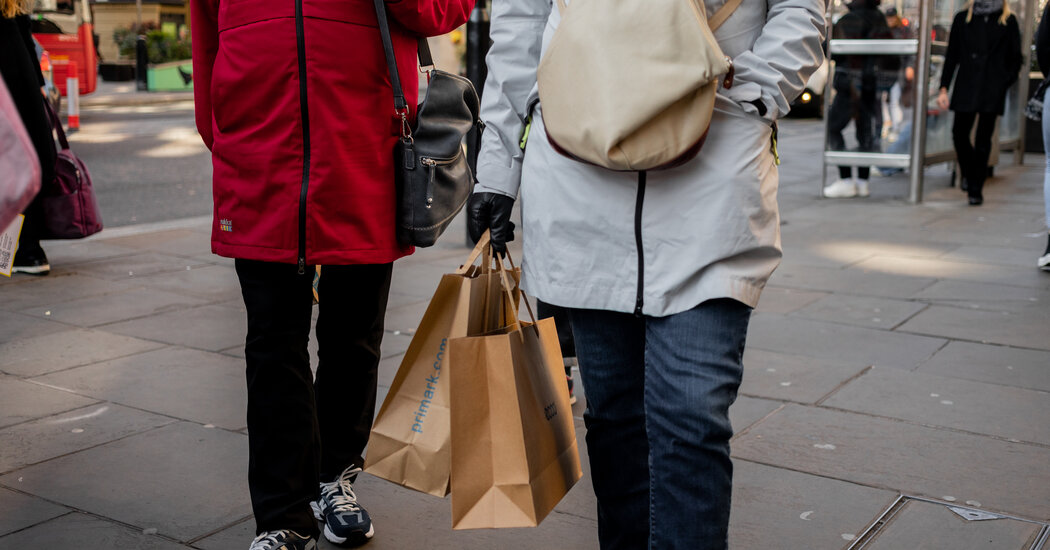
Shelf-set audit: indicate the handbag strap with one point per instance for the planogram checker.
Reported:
(713, 22)
(56, 124)
(426, 59)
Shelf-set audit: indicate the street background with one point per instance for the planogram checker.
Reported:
(897, 372)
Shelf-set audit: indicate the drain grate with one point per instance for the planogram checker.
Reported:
(1041, 541)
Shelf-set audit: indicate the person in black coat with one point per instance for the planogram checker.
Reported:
(984, 47)
(21, 74)
(857, 83)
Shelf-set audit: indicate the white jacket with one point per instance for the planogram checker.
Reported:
(708, 229)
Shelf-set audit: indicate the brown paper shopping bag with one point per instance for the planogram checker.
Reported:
(514, 453)
(409, 443)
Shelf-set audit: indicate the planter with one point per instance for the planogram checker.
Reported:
(117, 72)
(176, 76)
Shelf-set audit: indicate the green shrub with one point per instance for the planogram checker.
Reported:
(160, 46)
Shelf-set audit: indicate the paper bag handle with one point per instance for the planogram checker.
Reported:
(481, 248)
(508, 290)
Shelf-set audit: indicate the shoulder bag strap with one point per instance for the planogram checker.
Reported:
(400, 105)
(722, 14)
(56, 124)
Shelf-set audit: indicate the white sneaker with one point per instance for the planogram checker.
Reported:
(862, 188)
(841, 189)
(1044, 262)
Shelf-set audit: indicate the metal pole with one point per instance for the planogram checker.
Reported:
(141, 62)
(1022, 81)
(477, 47)
(918, 124)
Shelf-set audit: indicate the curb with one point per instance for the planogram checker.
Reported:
(133, 99)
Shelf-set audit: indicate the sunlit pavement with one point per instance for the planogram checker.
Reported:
(897, 373)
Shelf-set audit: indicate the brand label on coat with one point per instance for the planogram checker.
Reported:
(431, 387)
(226, 225)
(8, 245)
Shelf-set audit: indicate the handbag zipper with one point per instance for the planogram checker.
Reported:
(304, 113)
(432, 163)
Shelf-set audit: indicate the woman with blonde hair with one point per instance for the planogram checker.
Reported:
(21, 73)
(985, 46)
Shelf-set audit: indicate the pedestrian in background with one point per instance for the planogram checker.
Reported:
(857, 86)
(984, 48)
(293, 101)
(21, 73)
(1042, 52)
(659, 273)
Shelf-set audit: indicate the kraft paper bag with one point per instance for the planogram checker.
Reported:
(410, 439)
(514, 453)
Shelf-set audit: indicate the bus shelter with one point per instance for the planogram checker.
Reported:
(904, 130)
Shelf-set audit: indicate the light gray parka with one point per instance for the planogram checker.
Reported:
(707, 229)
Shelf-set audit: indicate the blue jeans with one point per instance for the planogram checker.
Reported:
(658, 395)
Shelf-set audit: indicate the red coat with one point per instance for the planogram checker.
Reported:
(293, 98)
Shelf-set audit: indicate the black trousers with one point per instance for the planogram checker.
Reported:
(973, 158)
(855, 99)
(303, 429)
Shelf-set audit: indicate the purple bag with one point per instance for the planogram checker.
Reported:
(70, 208)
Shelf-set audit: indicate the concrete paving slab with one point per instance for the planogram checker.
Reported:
(963, 271)
(111, 308)
(1026, 329)
(917, 460)
(73, 431)
(987, 296)
(64, 256)
(1019, 257)
(748, 410)
(794, 336)
(138, 480)
(85, 532)
(208, 327)
(213, 282)
(18, 511)
(70, 348)
(16, 326)
(203, 387)
(179, 242)
(852, 281)
(1022, 368)
(778, 508)
(792, 377)
(921, 524)
(406, 318)
(420, 279)
(990, 409)
(864, 311)
(22, 401)
(55, 289)
(130, 268)
(785, 300)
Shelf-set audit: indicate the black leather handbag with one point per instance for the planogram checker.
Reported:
(431, 169)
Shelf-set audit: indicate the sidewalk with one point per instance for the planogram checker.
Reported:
(898, 364)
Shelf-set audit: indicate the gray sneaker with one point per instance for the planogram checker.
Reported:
(346, 523)
(282, 540)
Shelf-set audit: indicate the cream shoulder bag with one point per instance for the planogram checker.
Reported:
(630, 85)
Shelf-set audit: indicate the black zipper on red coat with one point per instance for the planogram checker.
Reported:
(304, 113)
(639, 302)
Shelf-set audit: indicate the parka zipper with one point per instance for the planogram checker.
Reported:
(304, 113)
(639, 302)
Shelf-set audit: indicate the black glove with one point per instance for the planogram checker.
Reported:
(491, 211)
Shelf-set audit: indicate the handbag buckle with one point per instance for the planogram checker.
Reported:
(406, 128)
